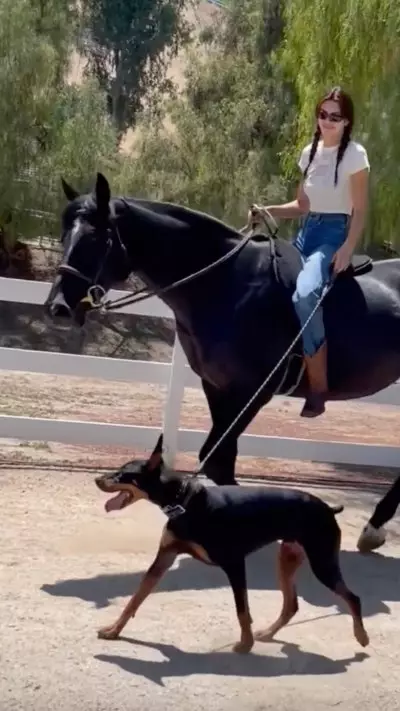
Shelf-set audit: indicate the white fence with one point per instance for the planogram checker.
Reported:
(177, 375)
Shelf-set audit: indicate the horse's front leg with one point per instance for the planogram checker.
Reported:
(224, 406)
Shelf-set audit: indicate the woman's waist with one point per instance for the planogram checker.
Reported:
(339, 218)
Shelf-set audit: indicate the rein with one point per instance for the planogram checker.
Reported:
(95, 293)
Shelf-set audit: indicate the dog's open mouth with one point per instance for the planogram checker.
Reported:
(119, 501)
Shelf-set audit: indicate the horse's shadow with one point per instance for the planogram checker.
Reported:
(374, 577)
(180, 663)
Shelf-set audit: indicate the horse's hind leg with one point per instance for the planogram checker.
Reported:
(373, 534)
(224, 406)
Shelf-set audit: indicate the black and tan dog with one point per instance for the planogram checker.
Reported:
(221, 526)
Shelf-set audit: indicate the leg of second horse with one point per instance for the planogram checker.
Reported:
(373, 534)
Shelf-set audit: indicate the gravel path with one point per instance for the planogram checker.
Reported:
(66, 568)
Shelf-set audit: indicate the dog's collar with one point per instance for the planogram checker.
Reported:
(175, 510)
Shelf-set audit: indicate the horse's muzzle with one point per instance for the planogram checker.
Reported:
(61, 315)
(59, 311)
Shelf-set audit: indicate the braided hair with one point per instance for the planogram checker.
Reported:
(347, 109)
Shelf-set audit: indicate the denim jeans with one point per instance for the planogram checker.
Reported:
(318, 239)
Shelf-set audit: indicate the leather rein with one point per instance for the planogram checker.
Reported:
(95, 294)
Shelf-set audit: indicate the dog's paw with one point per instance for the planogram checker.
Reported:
(111, 632)
(361, 636)
(265, 635)
(243, 647)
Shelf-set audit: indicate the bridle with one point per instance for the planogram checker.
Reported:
(95, 294)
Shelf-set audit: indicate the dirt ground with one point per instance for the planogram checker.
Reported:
(67, 567)
(135, 403)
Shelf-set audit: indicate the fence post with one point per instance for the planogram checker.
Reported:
(172, 410)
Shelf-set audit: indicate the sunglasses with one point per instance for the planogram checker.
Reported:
(326, 116)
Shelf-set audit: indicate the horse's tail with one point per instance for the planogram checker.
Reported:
(337, 509)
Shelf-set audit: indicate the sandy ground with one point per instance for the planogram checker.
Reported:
(67, 567)
(135, 403)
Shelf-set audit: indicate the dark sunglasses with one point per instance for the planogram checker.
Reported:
(325, 116)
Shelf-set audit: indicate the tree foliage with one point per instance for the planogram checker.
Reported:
(129, 45)
(218, 148)
(45, 126)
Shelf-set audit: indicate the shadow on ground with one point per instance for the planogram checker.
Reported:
(374, 577)
(180, 664)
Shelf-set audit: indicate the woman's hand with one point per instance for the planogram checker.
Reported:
(342, 258)
(255, 215)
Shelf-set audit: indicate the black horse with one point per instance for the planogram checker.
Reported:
(236, 322)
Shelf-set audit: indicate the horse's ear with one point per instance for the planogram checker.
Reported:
(156, 458)
(70, 192)
(102, 191)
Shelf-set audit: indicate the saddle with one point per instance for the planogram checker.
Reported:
(287, 263)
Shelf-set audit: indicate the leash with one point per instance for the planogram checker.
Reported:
(325, 291)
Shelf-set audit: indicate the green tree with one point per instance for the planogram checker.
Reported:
(129, 45)
(355, 44)
(218, 147)
(46, 127)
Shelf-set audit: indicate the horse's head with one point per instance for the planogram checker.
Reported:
(94, 257)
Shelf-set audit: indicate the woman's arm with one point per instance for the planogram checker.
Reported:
(359, 195)
(293, 209)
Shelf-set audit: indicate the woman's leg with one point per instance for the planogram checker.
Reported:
(309, 287)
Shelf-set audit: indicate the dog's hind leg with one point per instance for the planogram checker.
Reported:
(290, 558)
(236, 572)
(324, 563)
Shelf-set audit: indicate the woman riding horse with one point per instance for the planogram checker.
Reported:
(333, 197)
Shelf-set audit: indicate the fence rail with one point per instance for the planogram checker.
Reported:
(176, 376)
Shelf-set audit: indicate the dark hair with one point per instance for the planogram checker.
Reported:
(347, 111)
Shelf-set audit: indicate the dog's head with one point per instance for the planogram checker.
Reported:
(138, 479)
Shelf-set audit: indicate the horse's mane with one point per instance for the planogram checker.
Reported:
(183, 216)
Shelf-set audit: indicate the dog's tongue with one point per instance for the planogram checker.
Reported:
(116, 502)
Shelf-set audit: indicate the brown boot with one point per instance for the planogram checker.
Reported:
(316, 366)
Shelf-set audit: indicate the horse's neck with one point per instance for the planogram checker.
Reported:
(164, 249)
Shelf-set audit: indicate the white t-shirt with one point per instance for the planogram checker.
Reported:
(319, 185)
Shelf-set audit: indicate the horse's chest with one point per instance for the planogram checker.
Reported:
(209, 349)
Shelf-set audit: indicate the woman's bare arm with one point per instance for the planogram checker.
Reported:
(291, 210)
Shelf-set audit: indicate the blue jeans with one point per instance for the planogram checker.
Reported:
(318, 239)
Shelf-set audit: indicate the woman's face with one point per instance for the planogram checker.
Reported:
(331, 122)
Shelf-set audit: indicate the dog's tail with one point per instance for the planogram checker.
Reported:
(337, 509)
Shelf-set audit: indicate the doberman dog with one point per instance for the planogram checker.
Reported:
(221, 525)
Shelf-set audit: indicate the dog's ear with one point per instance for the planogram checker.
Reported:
(156, 458)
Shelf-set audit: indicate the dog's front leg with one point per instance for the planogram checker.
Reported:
(165, 557)
(236, 573)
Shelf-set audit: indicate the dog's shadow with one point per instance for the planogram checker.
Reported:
(374, 577)
(178, 663)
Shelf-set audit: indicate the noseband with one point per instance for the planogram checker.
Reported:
(96, 292)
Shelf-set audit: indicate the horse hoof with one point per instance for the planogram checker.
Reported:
(371, 538)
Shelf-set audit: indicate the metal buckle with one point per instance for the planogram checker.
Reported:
(92, 297)
(172, 511)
